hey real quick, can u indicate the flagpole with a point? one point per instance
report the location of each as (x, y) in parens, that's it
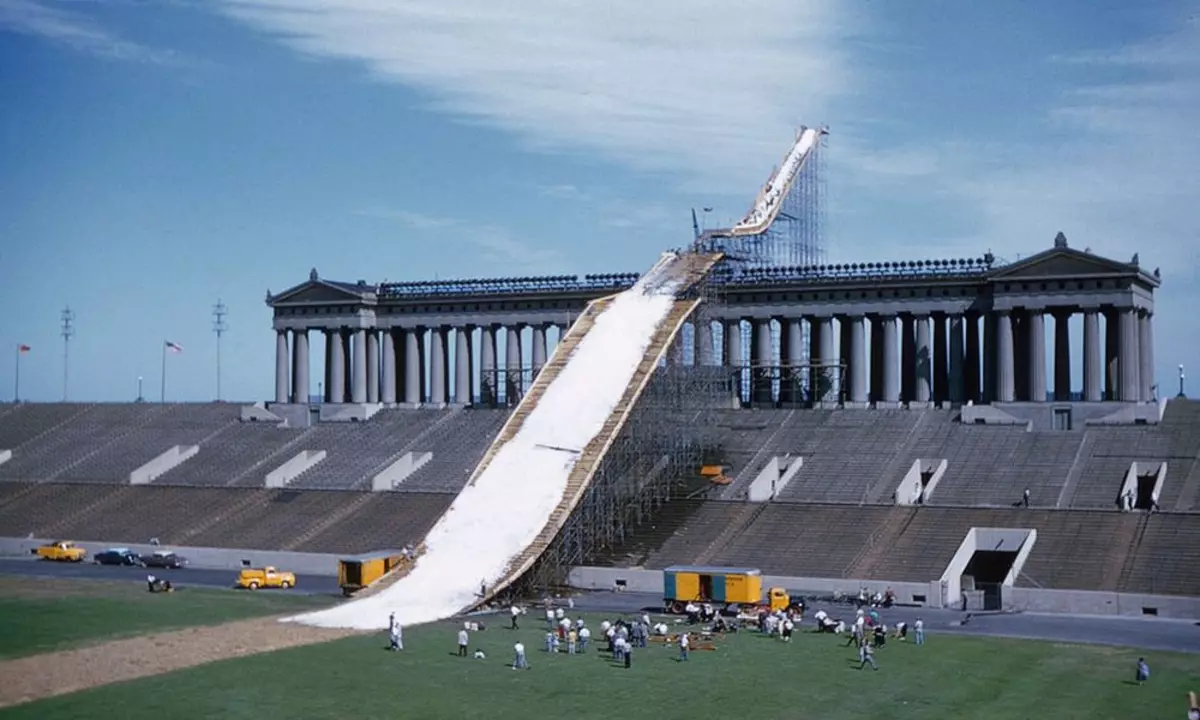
(163, 395)
(17, 379)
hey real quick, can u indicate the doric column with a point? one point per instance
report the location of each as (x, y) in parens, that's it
(1062, 355)
(1035, 322)
(1005, 371)
(704, 343)
(956, 391)
(827, 386)
(358, 379)
(512, 366)
(922, 357)
(1112, 352)
(890, 359)
(908, 358)
(337, 365)
(760, 361)
(281, 366)
(1020, 334)
(858, 359)
(539, 347)
(972, 360)
(1146, 348)
(877, 374)
(372, 366)
(413, 366)
(941, 373)
(733, 356)
(1130, 359)
(347, 366)
(300, 382)
(1092, 369)
(326, 375)
(438, 365)
(463, 366)
(387, 379)
(488, 395)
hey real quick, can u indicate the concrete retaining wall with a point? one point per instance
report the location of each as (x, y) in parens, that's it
(169, 460)
(1082, 602)
(200, 557)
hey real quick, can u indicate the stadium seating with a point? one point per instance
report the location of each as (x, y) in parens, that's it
(48, 455)
(239, 455)
(28, 421)
(389, 520)
(992, 466)
(458, 444)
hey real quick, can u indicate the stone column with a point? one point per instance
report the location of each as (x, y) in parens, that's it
(1035, 322)
(463, 366)
(372, 366)
(922, 357)
(488, 395)
(858, 359)
(733, 356)
(300, 381)
(1130, 358)
(387, 390)
(827, 385)
(877, 374)
(413, 366)
(890, 358)
(941, 374)
(760, 362)
(1092, 373)
(512, 366)
(539, 347)
(1146, 347)
(337, 365)
(1112, 352)
(972, 362)
(704, 343)
(358, 379)
(1005, 371)
(956, 375)
(438, 365)
(1062, 355)
(327, 375)
(281, 367)
(908, 359)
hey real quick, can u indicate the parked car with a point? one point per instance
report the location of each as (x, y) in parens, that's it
(268, 577)
(60, 551)
(117, 556)
(165, 559)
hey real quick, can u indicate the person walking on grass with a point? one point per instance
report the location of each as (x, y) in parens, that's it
(516, 612)
(519, 661)
(1143, 671)
(395, 633)
(866, 656)
(683, 647)
(463, 640)
(919, 631)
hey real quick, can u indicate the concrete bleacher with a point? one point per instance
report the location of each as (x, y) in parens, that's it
(237, 456)
(1165, 557)
(387, 520)
(458, 444)
(992, 466)
(356, 451)
(27, 421)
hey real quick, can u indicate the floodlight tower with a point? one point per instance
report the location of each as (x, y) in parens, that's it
(219, 327)
(68, 331)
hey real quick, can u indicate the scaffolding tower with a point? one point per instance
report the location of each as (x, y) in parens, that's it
(663, 441)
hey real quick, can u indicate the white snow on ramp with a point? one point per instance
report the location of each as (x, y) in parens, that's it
(492, 521)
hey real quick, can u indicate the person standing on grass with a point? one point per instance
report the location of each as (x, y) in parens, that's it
(919, 630)
(866, 656)
(585, 634)
(395, 633)
(1193, 707)
(519, 661)
(1143, 671)
(516, 612)
(683, 647)
(463, 640)
(550, 621)
(572, 637)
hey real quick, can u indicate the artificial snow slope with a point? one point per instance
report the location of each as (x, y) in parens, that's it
(770, 199)
(543, 458)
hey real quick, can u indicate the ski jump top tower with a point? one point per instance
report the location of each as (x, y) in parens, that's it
(784, 226)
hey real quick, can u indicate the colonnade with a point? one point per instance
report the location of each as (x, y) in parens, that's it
(413, 365)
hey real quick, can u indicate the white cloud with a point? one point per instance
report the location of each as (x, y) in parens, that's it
(706, 87)
(77, 31)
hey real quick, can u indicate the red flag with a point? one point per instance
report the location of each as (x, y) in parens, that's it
(23, 348)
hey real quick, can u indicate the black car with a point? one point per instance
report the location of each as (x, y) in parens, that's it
(165, 559)
(117, 556)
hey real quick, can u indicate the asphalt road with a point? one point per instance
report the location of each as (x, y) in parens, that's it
(1147, 633)
(189, 577)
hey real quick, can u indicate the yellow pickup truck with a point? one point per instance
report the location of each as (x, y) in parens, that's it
(267, 577)
(60, 551)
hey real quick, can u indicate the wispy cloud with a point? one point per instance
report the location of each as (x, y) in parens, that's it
(705, 87)
(77, 31)
(415, 220)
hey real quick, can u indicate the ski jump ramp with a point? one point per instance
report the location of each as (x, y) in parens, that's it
(544, 458)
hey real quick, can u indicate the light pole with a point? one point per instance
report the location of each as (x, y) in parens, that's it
(139, 395)
(1181, 377)
(68, 330)
(219, 327)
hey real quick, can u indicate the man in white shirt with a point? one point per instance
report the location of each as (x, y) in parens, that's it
(683, 647)
(584, 635)
(919, 630)
(516, 612)
(395, 633)
(519, 662)
(463, 640)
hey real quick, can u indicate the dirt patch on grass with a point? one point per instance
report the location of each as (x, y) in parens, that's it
(58, 673)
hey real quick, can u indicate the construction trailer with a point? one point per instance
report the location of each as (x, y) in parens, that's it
(360, 571)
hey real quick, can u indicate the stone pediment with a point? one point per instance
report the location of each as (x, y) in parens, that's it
(315, 291)
(1063, 263)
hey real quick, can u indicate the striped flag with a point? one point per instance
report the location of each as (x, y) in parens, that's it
(23, 348)
(174, 347)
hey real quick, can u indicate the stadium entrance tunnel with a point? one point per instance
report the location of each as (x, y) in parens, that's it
(987, 561)
(1143, 484)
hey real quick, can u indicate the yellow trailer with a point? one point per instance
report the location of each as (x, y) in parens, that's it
(359, 571)
(718, 585)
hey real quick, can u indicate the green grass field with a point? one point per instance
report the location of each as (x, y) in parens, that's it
(42, 615)
(748, 676)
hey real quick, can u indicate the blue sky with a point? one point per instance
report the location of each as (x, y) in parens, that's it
(157, 156)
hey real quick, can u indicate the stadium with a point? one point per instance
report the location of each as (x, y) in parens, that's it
(742, 404)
